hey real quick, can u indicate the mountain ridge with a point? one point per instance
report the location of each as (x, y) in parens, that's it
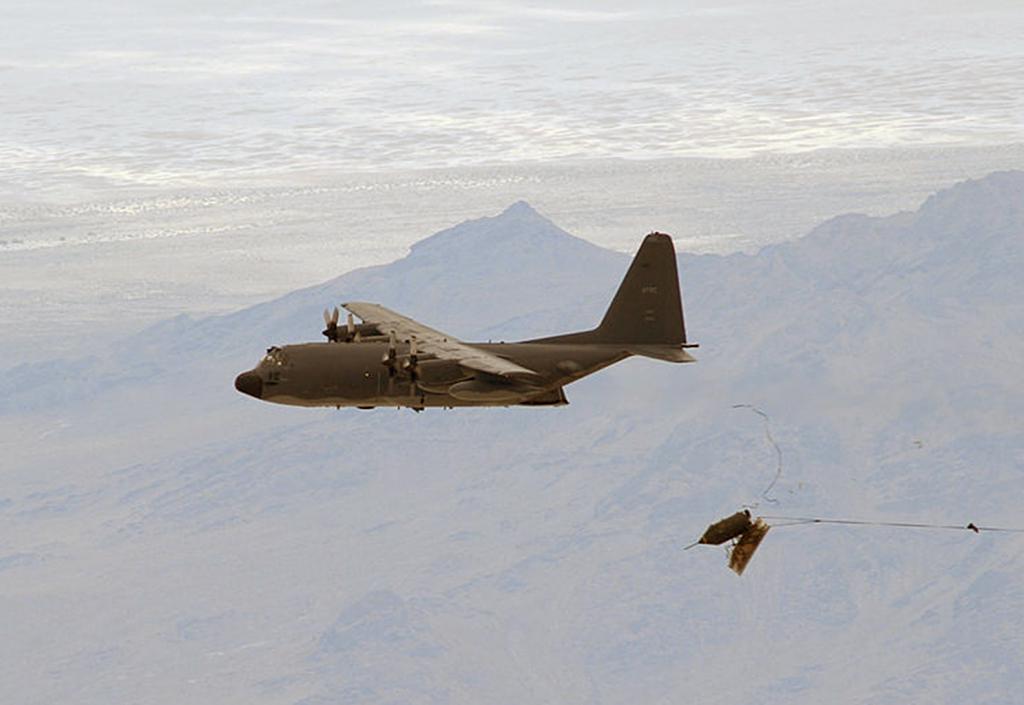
(451, 279)
(312, 556)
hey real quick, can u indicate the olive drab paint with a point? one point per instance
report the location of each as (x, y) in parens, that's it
(391, 360)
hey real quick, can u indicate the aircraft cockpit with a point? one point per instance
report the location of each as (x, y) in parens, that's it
(275, 357)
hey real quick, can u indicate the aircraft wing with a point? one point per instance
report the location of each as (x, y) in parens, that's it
(438, 344)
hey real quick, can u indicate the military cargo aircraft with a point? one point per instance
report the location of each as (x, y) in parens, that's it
(391, 360)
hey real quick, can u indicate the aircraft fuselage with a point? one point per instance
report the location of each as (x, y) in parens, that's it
(392, 360)
(356, 374)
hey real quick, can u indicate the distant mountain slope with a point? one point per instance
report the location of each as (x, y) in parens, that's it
(178, 535)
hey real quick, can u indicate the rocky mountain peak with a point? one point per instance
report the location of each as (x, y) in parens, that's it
(519, 226)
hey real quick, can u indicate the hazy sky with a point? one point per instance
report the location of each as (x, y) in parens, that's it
(183, 93)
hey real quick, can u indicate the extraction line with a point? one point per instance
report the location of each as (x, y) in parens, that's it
(771, 440)
(799, 521)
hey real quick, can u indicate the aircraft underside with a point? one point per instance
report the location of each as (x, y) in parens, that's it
(422, 400)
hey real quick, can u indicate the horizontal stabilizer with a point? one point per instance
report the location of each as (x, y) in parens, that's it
(669, 353)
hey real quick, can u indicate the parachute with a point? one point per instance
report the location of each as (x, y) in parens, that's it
(748, 542)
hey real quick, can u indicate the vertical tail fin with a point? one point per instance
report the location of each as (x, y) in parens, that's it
(647, 308)
(646, 315)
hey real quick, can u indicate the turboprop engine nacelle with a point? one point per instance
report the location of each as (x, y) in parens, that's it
(478, 390)
(437, 376)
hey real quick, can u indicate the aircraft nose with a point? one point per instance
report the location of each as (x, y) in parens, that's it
(249, 383)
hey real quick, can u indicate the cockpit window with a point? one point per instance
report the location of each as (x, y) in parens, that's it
(275, 357)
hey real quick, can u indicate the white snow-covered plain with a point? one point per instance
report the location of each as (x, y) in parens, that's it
(175, 93)
(166, 538)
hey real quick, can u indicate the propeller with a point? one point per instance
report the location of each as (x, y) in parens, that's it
(334, 332)
(389, 359)
(331, 320)
(350, 328)
(411, 366)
